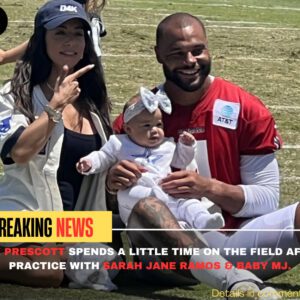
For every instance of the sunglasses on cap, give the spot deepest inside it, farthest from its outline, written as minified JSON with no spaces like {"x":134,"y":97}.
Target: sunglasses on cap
{"x":81,"y":1}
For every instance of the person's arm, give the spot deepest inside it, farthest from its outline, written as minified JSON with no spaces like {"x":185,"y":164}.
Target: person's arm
{"x":33,"y":139}
{"x":101,"y":160}
{"x":260,"y":178}
{"x":13,"y":54}
{"x":189,"y":184}
{"x":259,"y":194}
{"x":185,"y":153}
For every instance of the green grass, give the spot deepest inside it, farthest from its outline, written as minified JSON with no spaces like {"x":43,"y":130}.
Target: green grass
{"x":253,"y":43}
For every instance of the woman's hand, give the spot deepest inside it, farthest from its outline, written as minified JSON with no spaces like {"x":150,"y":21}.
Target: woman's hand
{"x":66,"y":89}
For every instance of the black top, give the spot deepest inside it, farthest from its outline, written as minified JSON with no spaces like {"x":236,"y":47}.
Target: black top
{"x":75,"y":145}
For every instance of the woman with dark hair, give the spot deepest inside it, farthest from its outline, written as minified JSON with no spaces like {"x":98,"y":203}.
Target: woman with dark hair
{"x":53,"y":111}
{"x":93,"y":9}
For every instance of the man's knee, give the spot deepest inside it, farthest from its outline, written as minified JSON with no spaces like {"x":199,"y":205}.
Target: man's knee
{"x":145,"y":212}
{"x":138,"y":212}
{"x":142,"y":206}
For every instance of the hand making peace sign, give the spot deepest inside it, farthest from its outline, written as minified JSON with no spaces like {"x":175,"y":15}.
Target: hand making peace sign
{"x":66,"y":89}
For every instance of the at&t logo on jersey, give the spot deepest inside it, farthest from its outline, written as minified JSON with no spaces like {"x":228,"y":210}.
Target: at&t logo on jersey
{"x":225,"y":114}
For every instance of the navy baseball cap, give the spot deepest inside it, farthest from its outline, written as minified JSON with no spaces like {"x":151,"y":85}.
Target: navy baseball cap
{"x":55,"y":12}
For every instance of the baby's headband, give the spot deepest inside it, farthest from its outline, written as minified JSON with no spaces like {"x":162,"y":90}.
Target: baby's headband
{"x":150,"y":101}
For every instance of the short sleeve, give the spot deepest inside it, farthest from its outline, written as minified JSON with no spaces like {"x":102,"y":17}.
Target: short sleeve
{"x":183,"y":155}
{"x":258,"y":133}
{"x":12,"y":122}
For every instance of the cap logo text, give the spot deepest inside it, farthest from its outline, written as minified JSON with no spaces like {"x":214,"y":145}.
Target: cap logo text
{"x":68,"y":8}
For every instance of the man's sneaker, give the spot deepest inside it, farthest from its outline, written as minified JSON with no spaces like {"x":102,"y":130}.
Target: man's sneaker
{"x":252,"y":290}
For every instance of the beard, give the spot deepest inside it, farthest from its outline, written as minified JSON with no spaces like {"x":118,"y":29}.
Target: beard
{"x":187,"y":85}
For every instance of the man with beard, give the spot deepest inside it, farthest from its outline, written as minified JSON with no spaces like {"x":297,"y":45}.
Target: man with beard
{"x":236,"y":140}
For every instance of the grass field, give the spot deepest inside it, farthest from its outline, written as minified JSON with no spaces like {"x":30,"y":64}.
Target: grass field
{"x":254,"y":43}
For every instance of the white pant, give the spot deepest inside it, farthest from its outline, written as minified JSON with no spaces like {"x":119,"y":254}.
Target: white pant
{"x":192,"y":211}
{"x":281,"y":221}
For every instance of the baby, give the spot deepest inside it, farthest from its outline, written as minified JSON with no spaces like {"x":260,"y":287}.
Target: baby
{"x":145,"y":144}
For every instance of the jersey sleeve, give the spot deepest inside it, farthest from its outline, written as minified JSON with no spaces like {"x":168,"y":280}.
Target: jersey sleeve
{"x":183,"y":156}
{"x":258,"y":133}
{"x":104,"y":158}
{"x":260,"y":177}
{"x":12,"y":122}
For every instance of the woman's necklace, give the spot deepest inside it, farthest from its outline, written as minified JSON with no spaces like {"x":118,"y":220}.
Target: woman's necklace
{"x":49,"y":86}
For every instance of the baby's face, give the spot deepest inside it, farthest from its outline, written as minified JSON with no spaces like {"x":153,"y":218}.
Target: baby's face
{"x":146,"y":129}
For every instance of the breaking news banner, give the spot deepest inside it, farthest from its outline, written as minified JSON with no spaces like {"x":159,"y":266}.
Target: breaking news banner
{"x":55,"y":226}
{"x":75,"y":243}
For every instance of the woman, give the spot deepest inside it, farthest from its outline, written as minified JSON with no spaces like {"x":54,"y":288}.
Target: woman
{"x":93,"y":9}
{"x":54,"y":110}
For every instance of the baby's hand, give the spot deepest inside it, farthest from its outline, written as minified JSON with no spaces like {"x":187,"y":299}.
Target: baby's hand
{"x":187,"y":139}
{"x":84,"y":165}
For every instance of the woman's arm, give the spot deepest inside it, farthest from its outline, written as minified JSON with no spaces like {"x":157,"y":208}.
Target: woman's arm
{"x":36,"y":135}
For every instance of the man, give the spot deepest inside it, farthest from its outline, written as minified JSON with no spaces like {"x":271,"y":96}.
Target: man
{"x":237,"y":167}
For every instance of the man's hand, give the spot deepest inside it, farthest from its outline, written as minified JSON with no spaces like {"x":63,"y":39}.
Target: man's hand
{"x":123,"y":175}
{"x":186,"y":184}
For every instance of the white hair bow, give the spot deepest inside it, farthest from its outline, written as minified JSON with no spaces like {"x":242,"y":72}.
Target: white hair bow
{"x":150,"y":101}
{"x":153,"y":101}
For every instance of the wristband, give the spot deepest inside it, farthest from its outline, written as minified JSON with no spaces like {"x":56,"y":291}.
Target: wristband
{"x":53,"y":114}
